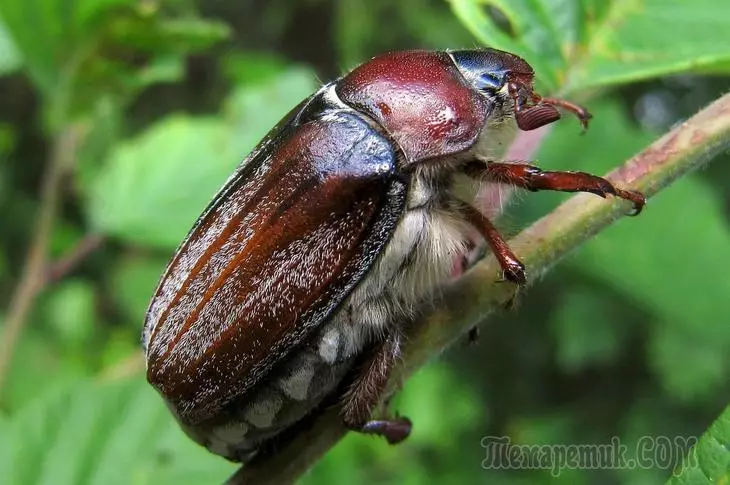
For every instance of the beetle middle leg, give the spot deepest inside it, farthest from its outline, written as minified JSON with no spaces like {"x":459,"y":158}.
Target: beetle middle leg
{"x":533,"y":178}
{"x":366,"y":390}
{"x":512,"y":267}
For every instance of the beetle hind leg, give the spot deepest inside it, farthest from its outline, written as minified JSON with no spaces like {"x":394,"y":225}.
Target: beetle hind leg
{"x":394,"y":431}
{"x":366,"y":391}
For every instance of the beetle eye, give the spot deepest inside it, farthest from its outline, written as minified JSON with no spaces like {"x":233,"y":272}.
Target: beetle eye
{"x":487,"y":81}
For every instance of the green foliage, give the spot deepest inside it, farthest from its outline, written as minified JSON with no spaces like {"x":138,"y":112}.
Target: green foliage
{"x":709,"y":460}
{"x":578,"y":45}
{"x":687,"y":220}
{"x":9,"y":56}
{"x":81,"y":50}
{"x":628,"y":337}
{"x":153,"y":186}
{"x":94,"y":433}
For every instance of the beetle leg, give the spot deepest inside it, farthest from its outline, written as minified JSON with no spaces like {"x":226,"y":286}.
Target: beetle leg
{"x":532,"y":178}
{"x":512,"y":268}
{"x":366,"y":390}
{"x":579,"y":111}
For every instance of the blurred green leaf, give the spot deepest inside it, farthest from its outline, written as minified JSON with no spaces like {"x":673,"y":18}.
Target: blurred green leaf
{"x":251,"y":111}
{"x":161,"y":69}
{"x":355,"y":22}
{"x":3,"y":262}
{"x":658,"y":268}
{"x":587,"y":330}
{"x":110,"y":433}
{"x":578,"y":45}
{"x":709,"y":460}
{"x":4,"y":443}
{"x":51,"y":34}
{"x":70,"y":313}
{"x":651,"y":419}
{"x":429,"y":24}
{"x":106,"y":121}
{"x":38,"y":363}
{"x":78,"y":52}
{"x":652,"y":259}
{"x":441,"y":407}
{"x":162,"y":35}
{"x":133,"y":282}
{"x":692,"y":363}
{"x":10,"y":59}
{"x":429,"y":394}
{"x":151,"y":189}
{"x":120,"y":345}
{"x":251,"y":67}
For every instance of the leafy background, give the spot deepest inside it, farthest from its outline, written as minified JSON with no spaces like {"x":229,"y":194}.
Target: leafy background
{"x":629,"y":337}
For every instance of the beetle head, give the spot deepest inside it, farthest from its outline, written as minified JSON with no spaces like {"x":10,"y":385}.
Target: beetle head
{"x":507,"y":77}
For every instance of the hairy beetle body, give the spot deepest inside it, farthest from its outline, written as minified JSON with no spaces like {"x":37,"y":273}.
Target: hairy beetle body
{"x":296,"y":283}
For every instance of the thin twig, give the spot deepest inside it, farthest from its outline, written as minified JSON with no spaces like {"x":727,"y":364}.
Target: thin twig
{"x":66,"y":263}
{"x":478,"y":293}
{"x":33,"y":277}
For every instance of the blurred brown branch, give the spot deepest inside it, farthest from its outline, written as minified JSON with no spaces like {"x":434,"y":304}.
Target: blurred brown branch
{"x":34,"y":276}
{"x":540,"y":246}
{"x":66,"y":263}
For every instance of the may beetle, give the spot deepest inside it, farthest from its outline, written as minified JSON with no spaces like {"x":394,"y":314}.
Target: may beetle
{"x":294,"y":286}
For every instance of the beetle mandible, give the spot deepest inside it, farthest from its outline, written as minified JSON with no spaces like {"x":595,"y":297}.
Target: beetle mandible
{"x":295,"y":285}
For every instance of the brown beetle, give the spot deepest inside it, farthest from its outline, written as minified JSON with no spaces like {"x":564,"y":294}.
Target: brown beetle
{"x":295,"y":284}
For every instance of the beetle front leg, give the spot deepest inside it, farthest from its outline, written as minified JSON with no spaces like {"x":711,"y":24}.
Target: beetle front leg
{"x":579,"y":111}
{"x":533,"y":178}
{"x":366,"y":390}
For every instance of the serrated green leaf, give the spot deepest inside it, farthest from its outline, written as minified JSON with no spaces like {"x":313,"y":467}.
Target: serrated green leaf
{"x":115,"y":433}
{"x":642,"y":39}
{"x":152,"y":188}
{"x":709,"y":460}
{"x":578,"y":45}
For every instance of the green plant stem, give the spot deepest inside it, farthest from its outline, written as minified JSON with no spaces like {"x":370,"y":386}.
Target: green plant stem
{"x":34,"y":271}
{"x":478,"y":293}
